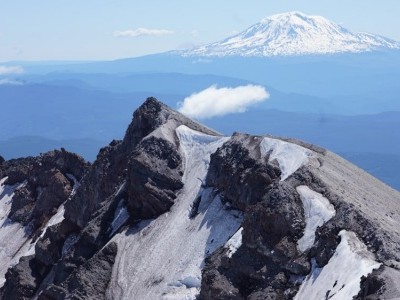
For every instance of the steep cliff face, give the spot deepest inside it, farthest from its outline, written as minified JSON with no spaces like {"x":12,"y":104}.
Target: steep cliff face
{"x":177,"y":211}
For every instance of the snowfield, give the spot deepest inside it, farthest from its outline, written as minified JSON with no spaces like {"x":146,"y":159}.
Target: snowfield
{"x":340,"y":278}
{"x":317,"y":211}
{"x":173,"y":246}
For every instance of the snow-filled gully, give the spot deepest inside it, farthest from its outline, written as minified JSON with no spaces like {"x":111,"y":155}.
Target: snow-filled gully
{"x":340,"y":278}
{"x":163,"y":258}
{"x":317,"y":211}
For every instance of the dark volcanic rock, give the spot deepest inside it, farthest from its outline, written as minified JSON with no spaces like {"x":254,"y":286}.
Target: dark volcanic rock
{"x":89,"y":281}
{"x":48,"y":248}
{"x":215,"y":284}
{"x":128,"y":161}
{"x":372,"y":287}
{"x":101,"y":181}
{"x":22,"y":280}
{"x":382,"y":283}
{"x":273,"y":222}
{"x":17,"y":170}
{"x":154,"y":176}
{"x":146,"y":119}
{"x":238,"y":171}
{"x":46,"y":184}
{"x":276,"y":222}
{"x":150,"y":116}
{"x":22,"y":205}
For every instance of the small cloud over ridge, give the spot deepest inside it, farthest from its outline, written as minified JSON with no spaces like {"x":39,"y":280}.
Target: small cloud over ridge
{"x":214,"y":101}
{"x":142,"y":32}
{"x":8,"y":70}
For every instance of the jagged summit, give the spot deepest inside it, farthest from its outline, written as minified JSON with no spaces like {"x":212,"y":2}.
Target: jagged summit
{"x":293,"y":34}
{"x":151,"y":115}
{"x":177,"y":211}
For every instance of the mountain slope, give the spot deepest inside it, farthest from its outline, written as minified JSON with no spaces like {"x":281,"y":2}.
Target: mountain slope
{"x":296,"y":34}
{"x":177,"y":211}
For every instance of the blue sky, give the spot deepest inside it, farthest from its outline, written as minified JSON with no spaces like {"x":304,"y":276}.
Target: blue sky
{"x":105,"y":29}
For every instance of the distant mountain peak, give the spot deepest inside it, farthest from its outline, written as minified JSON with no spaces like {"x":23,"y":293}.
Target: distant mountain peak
{"x":294,"y":34}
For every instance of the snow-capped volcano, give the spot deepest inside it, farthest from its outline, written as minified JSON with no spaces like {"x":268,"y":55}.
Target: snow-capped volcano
{"x":294,"y":33}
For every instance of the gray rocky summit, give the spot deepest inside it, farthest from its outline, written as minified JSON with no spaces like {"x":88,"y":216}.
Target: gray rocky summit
{"x":177,"y":211}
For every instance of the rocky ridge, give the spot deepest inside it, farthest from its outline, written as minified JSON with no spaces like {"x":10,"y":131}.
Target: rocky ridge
{"x":252,"y":217}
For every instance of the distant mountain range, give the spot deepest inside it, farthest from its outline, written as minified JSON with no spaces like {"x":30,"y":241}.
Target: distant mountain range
{"x":294,"y":34}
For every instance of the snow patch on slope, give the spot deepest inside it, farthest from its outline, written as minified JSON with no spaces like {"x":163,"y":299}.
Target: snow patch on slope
{"x":317,"y":211}
{"x":289,"y":156}
{"x":121,"y":215}
{"x":173,"y":247}
{"x":234,"y":242}
{"x":294,"y":33}
{"x":75,"y":185}
{"x":340,"y":278}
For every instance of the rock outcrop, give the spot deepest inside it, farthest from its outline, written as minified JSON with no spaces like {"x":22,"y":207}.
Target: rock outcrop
{"x":255,"y":218}
{"x":47,"y":184}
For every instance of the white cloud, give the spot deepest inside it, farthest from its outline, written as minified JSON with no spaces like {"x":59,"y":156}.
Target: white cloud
{"x":7,"y":70}
{"x":142,"y":31}
{"x":215,"y":101}
{"x":7,"y":81}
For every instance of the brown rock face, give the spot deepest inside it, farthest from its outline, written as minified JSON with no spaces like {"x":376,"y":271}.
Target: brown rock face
{"x":154,"y":177}
{"x":45,"y":184}
{"x":100,"y":182}
{"x":146,"y":119}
